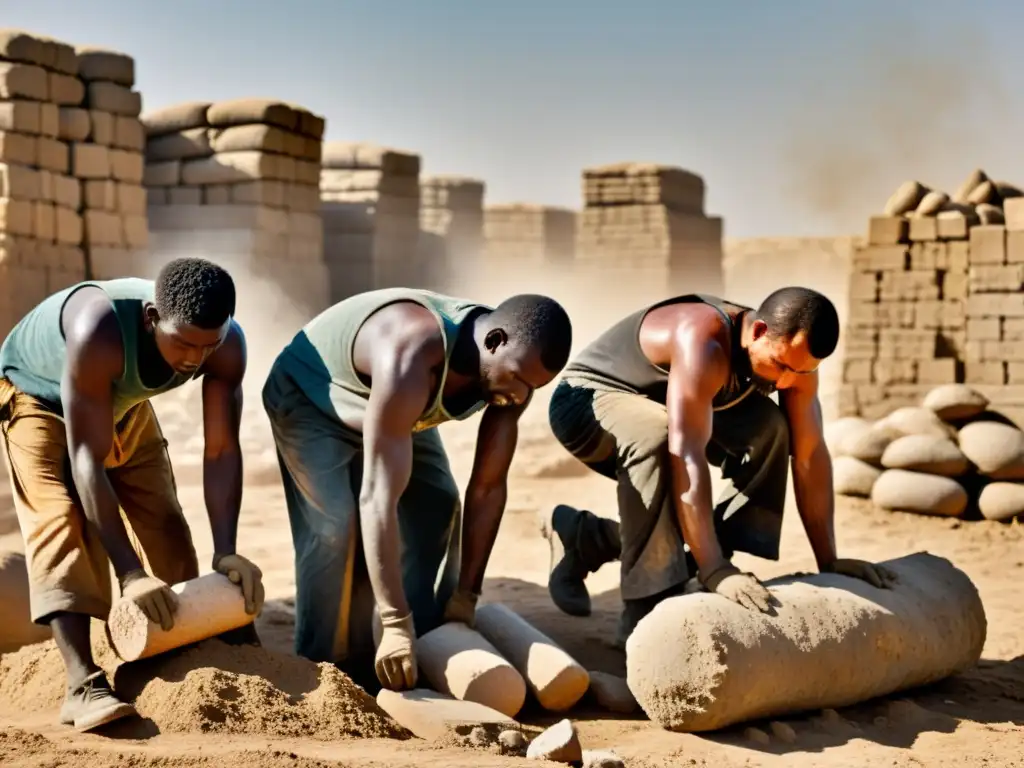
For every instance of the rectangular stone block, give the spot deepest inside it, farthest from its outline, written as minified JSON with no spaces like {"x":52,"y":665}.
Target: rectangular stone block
{"x":1002,"y":278}
{"x":927,"y":256}
{"x":49,"y":120}
{"x":23,"y":81}
{"x":939,"y":314}
{"x":895,"y":314}
{"x":113,"y":98}
{"x":995,"y":305}
{"x":165,"y":174}
{"x":1013,"y":211}
{"x":19,"y":148}
{"x":862,"y":314}
{"x":1012,"y":328}
{"x":957,"y":256}
{"x":1015,"y":246}
{"x":951,"y":344}
{"x":955,"y":225}
{"x":905,"y":344}
{"x":185,"y":196}
{"x":21,"y":116}
{"x":863,"y":286}
{"x":938,"y":371}
{"x":17,"y":217}
{"x":954,"y":285}
{"x":129,"y":134}
{"x":54,"y":155}
{"x":984,"y":329}
{"x":993,"y":373}
{"x":157,"y":196}
{"x":67,"y":190}
{"x":103,"y":228}
{"x":65,"y":90}
{"x":268,"y":193}
{"x":19,"y":182}
{"x":131,"y":199}
{"x":1007,"y":351}
{"x":70,"y":227}
{"x":886,"y":372}
{"x":876,"y":258}
{"x":217,"y":194}
{"x":988,"y":244}
{"x":129,"y":167}
{"x":135,"y":232}
{"x":887,"y":230}
{"x":923,"y":228}
{"x":860,"y":344}
{"x":857,"y":371}
{"x":216,"y":217}
{"x":100,"y":194}
{"x":101,"y":129}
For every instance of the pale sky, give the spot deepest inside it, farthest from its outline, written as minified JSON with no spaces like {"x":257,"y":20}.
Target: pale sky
{"x":801,"y":115}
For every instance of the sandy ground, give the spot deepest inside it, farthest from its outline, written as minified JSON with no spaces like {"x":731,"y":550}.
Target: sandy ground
{"x":976,"y":719}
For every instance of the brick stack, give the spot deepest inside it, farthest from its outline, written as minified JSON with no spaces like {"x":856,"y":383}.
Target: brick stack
{"x":524,"y":234}
{"x":238,"y":182}
{"x":369,"y":203}
{"x":937,"y":296}
{"x":650,"y":218}
{"x":452,"y":223}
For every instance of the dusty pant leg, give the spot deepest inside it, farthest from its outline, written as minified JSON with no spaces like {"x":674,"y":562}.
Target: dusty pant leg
{"x":429,"y":521}
{"x":68,"y":569}
{"x":316,"y":456}
{"x":754,"y":438}
{"x":144,"y":483}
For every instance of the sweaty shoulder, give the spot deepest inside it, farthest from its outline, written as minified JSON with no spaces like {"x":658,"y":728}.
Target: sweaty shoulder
{"x":92,"y":332}
{"x":404,"y":331}
{"x":701,"y":341}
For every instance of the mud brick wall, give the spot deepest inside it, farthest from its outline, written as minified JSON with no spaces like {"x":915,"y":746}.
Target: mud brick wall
{"x":451,"y":224}
{"x":650,"y":218}
{"x":236,"y":182}
{"x":370,"y":205}
{"x":520,"y":233}
{"x":70,"y":165}
{"x":937,"y":297}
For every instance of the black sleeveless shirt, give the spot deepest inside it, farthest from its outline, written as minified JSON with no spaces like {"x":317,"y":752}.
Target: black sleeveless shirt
{"x":616,"y":358}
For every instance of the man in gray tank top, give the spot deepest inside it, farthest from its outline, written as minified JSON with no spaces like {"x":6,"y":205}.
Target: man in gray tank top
{"x":354,"y":401}
{"x":83,"y":444}
{"x":657,"y":398}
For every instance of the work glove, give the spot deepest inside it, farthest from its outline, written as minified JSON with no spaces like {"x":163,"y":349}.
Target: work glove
{"x":876,"y":575}
{"x":461,"y":607}
{"x":243,"y":572}
{"x":395,"y":662}
{"x":742,"y":588}
{"x":152,"y":595}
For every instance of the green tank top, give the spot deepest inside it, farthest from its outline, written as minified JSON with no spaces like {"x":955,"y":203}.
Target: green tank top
{"x":319,"y":358}
{"x":33,"y":354}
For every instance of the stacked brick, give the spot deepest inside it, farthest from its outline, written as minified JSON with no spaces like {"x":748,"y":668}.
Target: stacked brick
{"x":238,"y":182}
{"x":529,"y":234}
{"x":452,"y":223}
{"x":647,"y":217}
{"x":936,"y":297}
{"x":70,"y":165}
{"x":369,"y":204}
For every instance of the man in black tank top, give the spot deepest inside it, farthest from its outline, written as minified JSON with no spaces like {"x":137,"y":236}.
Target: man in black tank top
{"x":661,"y":395}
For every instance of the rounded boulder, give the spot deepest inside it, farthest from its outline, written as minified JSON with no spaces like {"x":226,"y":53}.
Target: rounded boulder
{"x":840,"y":431}
{"x":904,"y":491}
{"x":870,"y":445}
{"x":955,"y":402}
{"x":996,"y":449}
{"x":917,"y":420}
{"x":1001,"y":501}
{"x":853,"y":477}
{"x":926,"y":453}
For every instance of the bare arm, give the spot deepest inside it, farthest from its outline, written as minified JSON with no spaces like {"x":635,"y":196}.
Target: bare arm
{"x":222,"y":454}
{"x":487,"y":491}
{"x":95,"y":359}
{"x":699,"y":369}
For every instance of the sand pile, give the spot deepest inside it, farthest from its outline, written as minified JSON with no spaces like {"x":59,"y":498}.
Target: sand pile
{"x":211,"y":687}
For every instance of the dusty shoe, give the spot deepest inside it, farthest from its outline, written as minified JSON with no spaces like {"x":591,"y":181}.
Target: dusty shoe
{"x":93,"y":704}
{"x":567,"y":571}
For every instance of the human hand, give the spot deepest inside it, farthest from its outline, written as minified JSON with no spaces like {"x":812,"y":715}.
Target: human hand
{"x":461,"y":607}
{"x":242,"y":571}
{"x":152,"y":595}
{"x":876,"y":575}
{"x":742,"y":588}
{"x":395,"y":662}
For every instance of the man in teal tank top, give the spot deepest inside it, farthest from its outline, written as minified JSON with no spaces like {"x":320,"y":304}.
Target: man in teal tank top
{"x":83,"y":444}
{"x":353,"y":402}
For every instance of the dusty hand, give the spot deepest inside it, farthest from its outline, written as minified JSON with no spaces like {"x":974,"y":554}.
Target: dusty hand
{"x":242,"y":571}
{"x":461,"y":607}
{"x":152,"y":595}
{"x":395,"y":662}
{"x":742,"y":588}
{"x":876,"y":575}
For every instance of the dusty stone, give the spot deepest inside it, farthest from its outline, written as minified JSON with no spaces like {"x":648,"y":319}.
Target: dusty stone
{"x":512,"y":743}
{"x":559,"y":743}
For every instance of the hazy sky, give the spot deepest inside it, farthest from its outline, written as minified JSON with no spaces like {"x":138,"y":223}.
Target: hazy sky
{"x":801,"y":115}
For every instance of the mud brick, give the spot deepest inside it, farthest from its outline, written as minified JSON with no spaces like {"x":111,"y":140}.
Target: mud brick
{"x":49,"y":120}
{"x":903,"y":344}
{"x":893,"y":286}
{"x":988,"y":244}
{"x":924,"y":284}
{"x":984,"y":329}
{"x":887,"y":230}
{"x":67,"y":191}
{"x":864,"y":286}
{"x":1007,"y":351}
{"x":857,"y":371}
{"x":131,"y":199}
{"x":65,"y":90}
{"x":17,"y":217}
{"x":1015,"y":373}
{"x":860,"y":344}
{"x":895,"y":314}
{"x":938,"y":371}
{"x":996,"y":304}
{"x":70,"y":228}
{"x":957,"y":256}
{"x":886,"y":372}
{"x":1012,"y":328}
{"x":954,"y":285}
{"x":1013,"y":211}
{"x":937,"y":314}
{"x":985,"y":373}
{"x":862,"y":314}
{"x":927,"y":256}
{"x":21,"y":116}
{"x":90,"y":161}
{"x":19,"y":182}
{"x":923,"y":228}
{"x":101,"y":127}
{"x":54,"y":155}
{"x":18,"y":148}
{"x":875,"y":258}
{"x":46,"y":222}
{"x":1015,"y":246}
{"x":135,"y":232}
{"x":955,"y":225}
{"x":100,"y":194}
{"x":129,"y":167}
{"x":1002,"y":278}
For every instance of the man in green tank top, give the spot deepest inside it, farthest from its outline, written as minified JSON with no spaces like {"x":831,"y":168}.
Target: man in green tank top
{"x":83,"y":444}
{"x":651,"y":404}
{"x":353,"y":402}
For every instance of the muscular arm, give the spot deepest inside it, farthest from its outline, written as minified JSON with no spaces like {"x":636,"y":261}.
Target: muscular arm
{"x":699,"y":369}
{"x":95,"y":359}
{"x":487,"y":491}
{"x":222,"y":453}
{"x":812,"y":468}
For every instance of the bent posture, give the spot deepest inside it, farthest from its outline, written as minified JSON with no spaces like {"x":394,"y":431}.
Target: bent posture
{"x":661,"y":395}
{"x":353,"y":401}
{"x":83,"y":444}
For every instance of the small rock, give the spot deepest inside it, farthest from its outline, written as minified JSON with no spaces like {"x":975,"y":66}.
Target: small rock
{"x":560,"y":743}
{"x":478,"y":738}
{"x":512,"y":743}
{"x":599,"y":758}
{"x":612,"y":692}
{"x":783,"y":732}
{"x":757,"y":736}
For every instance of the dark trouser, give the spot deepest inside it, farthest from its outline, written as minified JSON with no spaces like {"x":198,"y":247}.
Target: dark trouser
{"x":624,"y":437}
{"x":321,"y":467}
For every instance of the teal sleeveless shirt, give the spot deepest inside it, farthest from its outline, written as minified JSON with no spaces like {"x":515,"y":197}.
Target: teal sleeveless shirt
{"x":319,"y":358}
{"x":33,"y":354}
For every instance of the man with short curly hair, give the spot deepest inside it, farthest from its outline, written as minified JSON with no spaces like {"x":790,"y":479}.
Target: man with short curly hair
{"x":83,"y":443}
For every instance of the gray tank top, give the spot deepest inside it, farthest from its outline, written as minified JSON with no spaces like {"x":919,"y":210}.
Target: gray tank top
{"x":615,"y":357}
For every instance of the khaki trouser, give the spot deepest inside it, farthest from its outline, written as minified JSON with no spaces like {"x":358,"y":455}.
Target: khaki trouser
{"x":68,"y":568}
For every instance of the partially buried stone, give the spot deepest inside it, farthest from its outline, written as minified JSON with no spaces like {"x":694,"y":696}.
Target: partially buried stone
{"x":512,"y":743}
{"x":560,"y":743}
{"x":593,"y":758}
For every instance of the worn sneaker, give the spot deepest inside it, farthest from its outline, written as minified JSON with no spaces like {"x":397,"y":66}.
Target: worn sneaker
{"x":93,"y":704}
{"x":567,"y":574}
